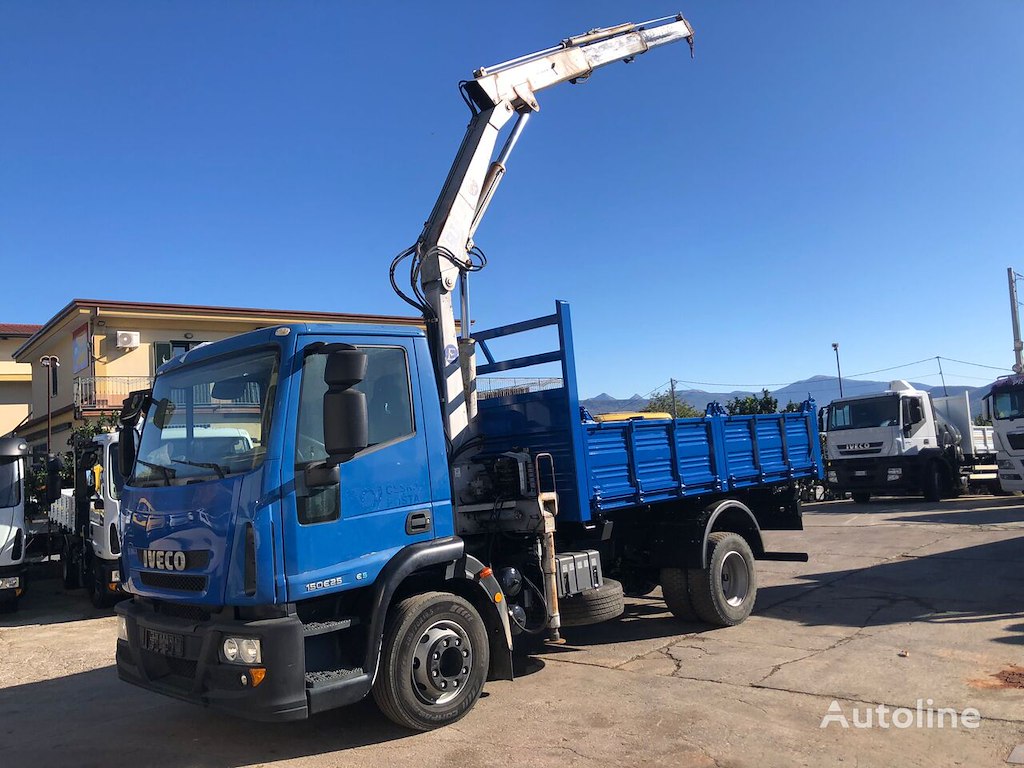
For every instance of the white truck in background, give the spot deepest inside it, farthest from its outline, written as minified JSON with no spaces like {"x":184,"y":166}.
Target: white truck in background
{"x":13,"y":528}
{"x":86,"y":520}
{"x":905,"y":441}
{"x":1006,"y":406}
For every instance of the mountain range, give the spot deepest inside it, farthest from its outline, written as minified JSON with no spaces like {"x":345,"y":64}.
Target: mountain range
{"x":824,"y":389}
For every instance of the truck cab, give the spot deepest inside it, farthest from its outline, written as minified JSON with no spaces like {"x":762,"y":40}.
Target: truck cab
{"x":254,"y":537}
{"x":1006,"y":407}
{"x":891,"y":443}
{"x":13,"y":530}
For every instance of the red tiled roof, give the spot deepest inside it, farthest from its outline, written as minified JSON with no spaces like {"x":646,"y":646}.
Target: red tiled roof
{"x":18,"y":329}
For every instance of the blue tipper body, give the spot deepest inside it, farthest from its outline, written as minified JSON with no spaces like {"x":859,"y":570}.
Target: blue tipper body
{"x":608,"y":466}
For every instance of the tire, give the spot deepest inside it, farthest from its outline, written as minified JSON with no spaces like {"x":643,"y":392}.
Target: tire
{"x":68,"y":568}
{"x":99,"y":595}
{"x":593,"y":606}
{"x":675,"y":587}
{"x":723,"y":594}
{"x":932,"y":482}
{"x":861,"y":497}
{"x":10,"y":606}
{"x":438,"y":633}
{"x":637,"y":585}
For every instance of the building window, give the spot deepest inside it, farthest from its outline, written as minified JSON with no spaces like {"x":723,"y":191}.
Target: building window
{"x":165,"y":350}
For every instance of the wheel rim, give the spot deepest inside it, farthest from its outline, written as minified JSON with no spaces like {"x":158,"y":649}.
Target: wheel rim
{"x":442,"y":662}
{"x":735,"y":578}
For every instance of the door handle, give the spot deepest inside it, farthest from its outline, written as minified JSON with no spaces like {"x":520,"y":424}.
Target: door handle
{"x":417,"y":522}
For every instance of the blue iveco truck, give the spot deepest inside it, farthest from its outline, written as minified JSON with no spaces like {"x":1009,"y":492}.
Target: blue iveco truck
{"x":373,"y":519}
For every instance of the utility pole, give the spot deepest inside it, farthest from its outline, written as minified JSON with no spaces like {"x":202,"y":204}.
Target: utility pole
{"x":839,"y":371}
{"x":1011,"y":277}
{"x":52,"y":363}
{"x":672,"y":387}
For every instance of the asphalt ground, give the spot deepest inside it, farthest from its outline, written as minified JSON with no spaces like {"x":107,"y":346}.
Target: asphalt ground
{"x":902,"y":602}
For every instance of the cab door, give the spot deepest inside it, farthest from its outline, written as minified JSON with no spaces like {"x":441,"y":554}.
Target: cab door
{"x":338,"y":537}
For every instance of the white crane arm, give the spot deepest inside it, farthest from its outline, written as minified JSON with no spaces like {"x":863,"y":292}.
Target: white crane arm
{"x":443,"y":250}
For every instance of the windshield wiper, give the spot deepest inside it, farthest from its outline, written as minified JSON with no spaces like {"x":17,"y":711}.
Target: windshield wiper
{"x":205,"y":464}
{"x":167,"y":472}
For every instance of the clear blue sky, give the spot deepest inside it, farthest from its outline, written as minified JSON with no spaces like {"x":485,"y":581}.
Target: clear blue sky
{"x":821,"y":172}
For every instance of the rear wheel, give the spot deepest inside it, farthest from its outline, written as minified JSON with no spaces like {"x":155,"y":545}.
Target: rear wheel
{"x":933,"y":482}
{"x":676,"y":589}
{"x":723,"y":594}
{"x":861,"y":497}
{"x":433,"y":663}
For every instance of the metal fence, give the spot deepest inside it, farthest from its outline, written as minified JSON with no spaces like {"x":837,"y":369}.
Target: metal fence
{"x":106,"y":392}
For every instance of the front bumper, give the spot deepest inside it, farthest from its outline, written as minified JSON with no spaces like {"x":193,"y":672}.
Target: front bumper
{"x":13,"y":590}
{"x":882,"y":475}
{"x":199,"y":676}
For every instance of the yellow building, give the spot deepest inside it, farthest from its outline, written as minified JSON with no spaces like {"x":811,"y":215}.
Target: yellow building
{"x":15,"y":378}
{"x":107,"y":349}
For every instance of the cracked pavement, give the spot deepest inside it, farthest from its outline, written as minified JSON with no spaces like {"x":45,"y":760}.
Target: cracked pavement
{"x":901,"y":601}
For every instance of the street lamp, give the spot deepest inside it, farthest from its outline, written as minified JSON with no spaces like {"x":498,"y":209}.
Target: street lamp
{"x":839,"y":372}
{"x":52,"y":363}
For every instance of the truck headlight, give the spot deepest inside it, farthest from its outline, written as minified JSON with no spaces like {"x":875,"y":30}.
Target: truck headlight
{"x":894,"y":473}
{"x":122,"y":628}
{"x":242,"y":650}
{"x":833,"y":476}
{"x":10,"y":582}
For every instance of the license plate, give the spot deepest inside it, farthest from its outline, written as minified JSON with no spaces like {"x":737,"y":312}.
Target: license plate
{"x":164,"y":643}
{"x":860,"y":473}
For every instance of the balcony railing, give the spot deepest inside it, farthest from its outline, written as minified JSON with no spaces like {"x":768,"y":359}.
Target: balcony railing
{"x":501,"y":386}
{"x":106,"y":393}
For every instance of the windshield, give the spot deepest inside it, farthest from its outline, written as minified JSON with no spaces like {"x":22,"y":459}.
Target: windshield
{"x":1009,"y":404}
{"x":207,"y":421}
{"x":10,"y":488}
{"x":871,"y":412}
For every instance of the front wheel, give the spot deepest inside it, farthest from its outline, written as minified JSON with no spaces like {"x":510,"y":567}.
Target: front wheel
{"x":723,"y":594}
{"x":433,"y":662}
{"x":932,"y":482}
{"x":68,"y":566}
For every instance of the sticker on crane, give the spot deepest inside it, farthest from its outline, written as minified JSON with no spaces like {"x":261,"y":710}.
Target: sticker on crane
{"x":451,"y":354}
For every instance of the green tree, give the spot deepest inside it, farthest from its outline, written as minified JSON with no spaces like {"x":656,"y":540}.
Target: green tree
{"x":982,"y":421}
{"x":791,"y":407}
{"x":752,"y":404}
{"x":661,"y":402}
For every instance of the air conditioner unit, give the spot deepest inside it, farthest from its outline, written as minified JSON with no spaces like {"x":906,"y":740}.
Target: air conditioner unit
{"x":128,"y":339}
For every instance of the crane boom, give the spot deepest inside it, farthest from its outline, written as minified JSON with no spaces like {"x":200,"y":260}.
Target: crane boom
{"x":444,"y":251}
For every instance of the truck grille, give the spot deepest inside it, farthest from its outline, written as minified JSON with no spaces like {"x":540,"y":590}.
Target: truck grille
{"x":174,"y":581}
{"x":1016,"y":440}
{"x":193,"y":613}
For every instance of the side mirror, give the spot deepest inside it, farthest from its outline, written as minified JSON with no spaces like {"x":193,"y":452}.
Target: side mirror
{"x":127,"y":450}
{"x":821,"y":418}
{"x":346,"y":425}
{"x":916,"y":412}
{"x":133,"y":406}
{"x":53,"y":468}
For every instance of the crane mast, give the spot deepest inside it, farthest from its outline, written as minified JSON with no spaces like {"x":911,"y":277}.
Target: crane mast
{"x":445,"y":253}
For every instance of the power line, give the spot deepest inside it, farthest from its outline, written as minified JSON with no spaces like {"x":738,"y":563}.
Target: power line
{"x":977,"y":365}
